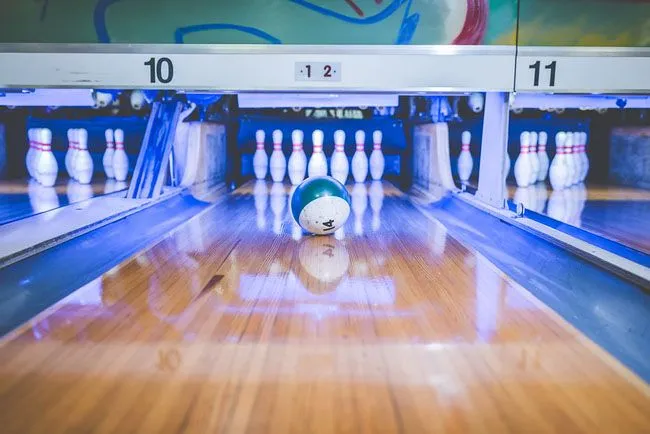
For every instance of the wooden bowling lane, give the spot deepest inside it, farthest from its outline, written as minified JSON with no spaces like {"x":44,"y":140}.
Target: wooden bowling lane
{"x":618,"y":213}
{"x":236,"y":322}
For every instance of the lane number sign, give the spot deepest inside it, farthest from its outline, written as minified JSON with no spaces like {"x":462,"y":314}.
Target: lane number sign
{"x":318,"y":71}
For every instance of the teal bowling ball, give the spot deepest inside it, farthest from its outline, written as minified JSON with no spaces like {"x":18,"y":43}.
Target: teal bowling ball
{"x":320,"y":205}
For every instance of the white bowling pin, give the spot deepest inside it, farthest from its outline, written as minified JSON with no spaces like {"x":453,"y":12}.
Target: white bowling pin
{"x":339,"y":164}
{"x":577,"y":159}
{"x":29,"y":157}
{"x":317,"y":163}
{"x":120,"y":158}
{"x":377,"y":161}
{"x":585,"y":158}
{"x":107,"y":160}
{"x":360,"y":159}
{"x":83,"y":162}
{"x":465,"y":161}
{"x":278,"y":162}
{"x":298,"y":159}
{"x":69,"y":155}
{"x":542,"y":156}
{"x":506,"y":165}
{"x":522,"y":165}
{"x":568,"y":159}
{"x":47,"y":167}
{"x":558,"y":171}
{"x":534,"y":160}
{"x":260,"y":159}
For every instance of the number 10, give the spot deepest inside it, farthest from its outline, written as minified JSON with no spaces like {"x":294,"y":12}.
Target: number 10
{"x":551,"y":66}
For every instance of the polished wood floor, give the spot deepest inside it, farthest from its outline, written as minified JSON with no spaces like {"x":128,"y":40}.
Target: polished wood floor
{"x":614,"y":212}
{"x":237,"y":322}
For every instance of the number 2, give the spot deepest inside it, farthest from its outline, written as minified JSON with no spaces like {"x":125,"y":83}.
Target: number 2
{"x":328,"y":71}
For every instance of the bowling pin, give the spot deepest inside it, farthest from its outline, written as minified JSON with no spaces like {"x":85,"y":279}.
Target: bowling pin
{"x":120,"y":159}
{"x":558,"y":172}
{"x":278,"y":162}
{"x":317,"y":163}
{"x":298,"y":159}
{"x":69,"y":155}
{"x":377,"y":161}
{"x":83,"y":162}
{"x":506,"y":165}
{"x":47,"y":167}
{"x":107,"y":160}
{"x":29,"y":157}
{"x":568,"y":159}
{"x":260,"y":159}
{"x":542,"y":157}
{"x":465,"y":162}
{"x":360,"y":159}
{"x":522,"y":165}
{"x":339,"y":164}
{"x":577,"y":160}
{"x":585,"y":158}
{"x":534,"y":160}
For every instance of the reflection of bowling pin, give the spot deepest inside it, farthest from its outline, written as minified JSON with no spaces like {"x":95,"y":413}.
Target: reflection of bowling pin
{"x":83,"y":162}
{"x":296,"y":230}
{"x":542,"y":157}
{"x":120,"y":159}
{"x":278,"y":162}
{"x":109,"y":186}
{"x":556,"y":205}
{"x":541,"y":196}
{"x":47,"y":167}
{"x":522,"y":164}
{"x":278,"y":202}
{"x":107,"y":160}
{"x":359,"y":205}
{"x":261,"y":197}
{"x":298,"y":159}
{"x":376,"y":192}
{"x":260,"y":159}
{"x":317,"y":163}
{"x":360,"y":159}
{"x":377,"y":161}
{"x":42,"y":198}
{"x":339,"y":163}
{"x":465,"y":162}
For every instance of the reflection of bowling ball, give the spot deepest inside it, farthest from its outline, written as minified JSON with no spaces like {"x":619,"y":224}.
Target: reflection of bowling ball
{"x":320,"y":205}
{"x":325,"y":259}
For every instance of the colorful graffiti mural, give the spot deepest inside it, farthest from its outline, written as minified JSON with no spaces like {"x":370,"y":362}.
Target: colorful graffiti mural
{"x":365,"y":22}
{"x":624,"y":23}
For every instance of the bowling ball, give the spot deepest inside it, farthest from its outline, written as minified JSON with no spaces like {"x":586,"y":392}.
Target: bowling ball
{"x":320,"y":205}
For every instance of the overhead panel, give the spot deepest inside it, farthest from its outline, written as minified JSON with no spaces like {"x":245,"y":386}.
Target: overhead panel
{"x":584,"y":46}
{"x":251,"y":45}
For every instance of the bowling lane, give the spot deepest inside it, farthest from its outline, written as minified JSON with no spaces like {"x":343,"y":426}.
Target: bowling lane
{"x":24,"y":198}
{"x":237,"y":322}
{"x":618,"y":213}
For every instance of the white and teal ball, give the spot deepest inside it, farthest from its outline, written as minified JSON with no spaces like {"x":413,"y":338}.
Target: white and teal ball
{"x":320,"y":205}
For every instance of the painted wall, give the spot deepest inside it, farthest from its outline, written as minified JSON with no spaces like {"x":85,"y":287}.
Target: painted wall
{"x":262,"y":21}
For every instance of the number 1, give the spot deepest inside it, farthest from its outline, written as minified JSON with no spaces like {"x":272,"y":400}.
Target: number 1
{"x":308,"y":71}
